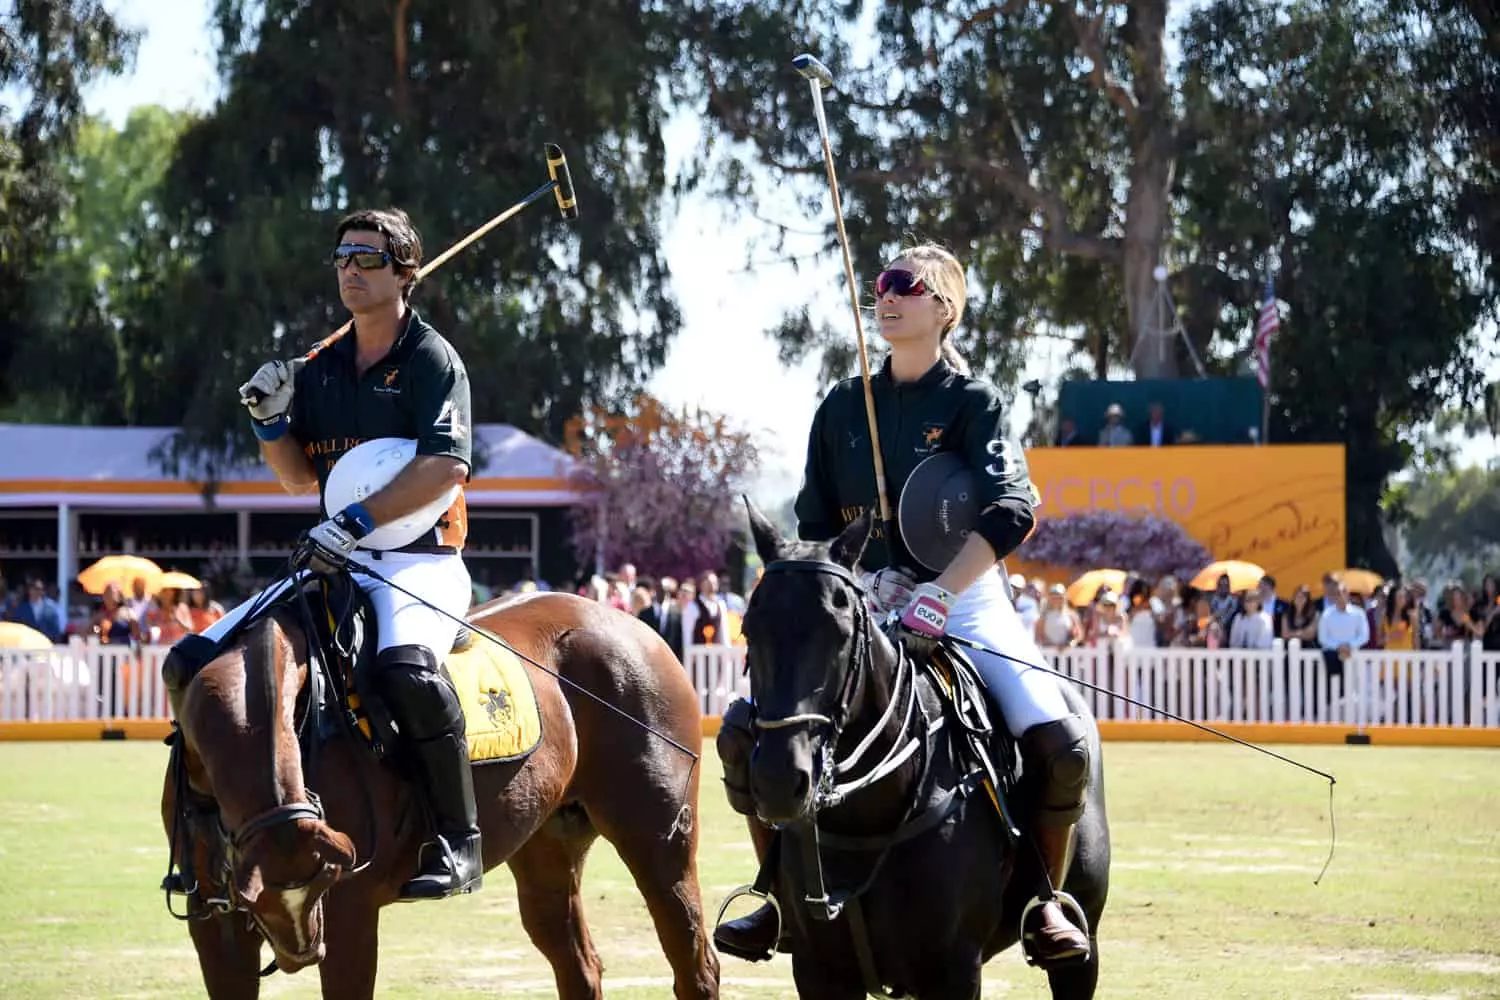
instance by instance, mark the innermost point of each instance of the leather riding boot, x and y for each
(453, 863)
(753, 937)
(1053, 937)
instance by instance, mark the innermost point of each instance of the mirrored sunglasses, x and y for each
(362, 255)
(898, 281)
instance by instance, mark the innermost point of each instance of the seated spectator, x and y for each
(1067, 433)
(1115, 434)
(1157, 431)
(1058, 626)
(1252, 628)
(1300, 620)
(40, 612)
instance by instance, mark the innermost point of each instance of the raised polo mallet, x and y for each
(559, 183)
(818, 77)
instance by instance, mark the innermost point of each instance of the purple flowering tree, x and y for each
(668, 486)
(1149, 545)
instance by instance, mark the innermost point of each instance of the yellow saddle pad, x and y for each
(500, 710)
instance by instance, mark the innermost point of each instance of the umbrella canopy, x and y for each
(1242, 575)
(1359, 581)
(1084, 589)
(123, 570)
(14, 635)
(177, 580)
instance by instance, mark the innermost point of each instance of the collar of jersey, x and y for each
(346, 345)
(935, 375)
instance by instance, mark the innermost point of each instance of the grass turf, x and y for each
(1215, 852)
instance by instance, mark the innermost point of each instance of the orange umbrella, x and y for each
(123, 570)
(1242, 575)
(1083, 590)
(1359, 581)
(14, 635)
(177, 580)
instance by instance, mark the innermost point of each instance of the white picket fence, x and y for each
(1460, 686)
(1450, 687)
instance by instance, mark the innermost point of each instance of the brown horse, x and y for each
(281, 847)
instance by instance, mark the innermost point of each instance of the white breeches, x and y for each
(401, 620)
(1027, 694)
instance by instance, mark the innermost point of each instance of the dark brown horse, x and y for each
(278, 846)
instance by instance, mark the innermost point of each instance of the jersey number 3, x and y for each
(1000, 450)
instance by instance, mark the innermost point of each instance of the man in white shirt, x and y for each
(1342, 628)
(1157, 432)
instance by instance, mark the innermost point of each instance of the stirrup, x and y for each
(750, 890)
(1073, 910)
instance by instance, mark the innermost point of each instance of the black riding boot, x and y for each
(454, 862)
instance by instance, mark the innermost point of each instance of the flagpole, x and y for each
(1265, 414)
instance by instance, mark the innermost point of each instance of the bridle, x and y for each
(860, 663)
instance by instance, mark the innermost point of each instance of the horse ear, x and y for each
(850, 545)
(768, 541)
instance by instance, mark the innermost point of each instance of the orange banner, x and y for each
(1279, 506)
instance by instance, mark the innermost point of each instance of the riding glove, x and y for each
(925, 619)
(268, 395)
(326, 546)
(887, 590)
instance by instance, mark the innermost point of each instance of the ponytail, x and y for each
(955, 360)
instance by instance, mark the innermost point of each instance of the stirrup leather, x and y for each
(1072, 909)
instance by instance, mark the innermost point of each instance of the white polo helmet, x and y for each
(366, 468)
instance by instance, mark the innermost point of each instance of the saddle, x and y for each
(501, 715)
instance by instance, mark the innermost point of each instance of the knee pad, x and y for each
(187, 656)
(1057, 757)
(735, 744)
(421, 699)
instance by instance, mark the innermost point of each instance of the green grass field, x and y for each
(1215, 852)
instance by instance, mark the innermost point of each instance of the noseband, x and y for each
(273, 817)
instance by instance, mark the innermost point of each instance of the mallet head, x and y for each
(810, 67)
(557, 169)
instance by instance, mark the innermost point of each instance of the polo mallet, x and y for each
(818, 77)
(560, 183)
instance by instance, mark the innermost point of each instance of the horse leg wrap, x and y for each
(1057, 755)
(735, 743)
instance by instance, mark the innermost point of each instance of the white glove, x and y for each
(887, 590)
(327, 545)
(268, 394)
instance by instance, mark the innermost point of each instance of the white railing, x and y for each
(1460, 686)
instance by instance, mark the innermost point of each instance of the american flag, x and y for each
(1266, 325)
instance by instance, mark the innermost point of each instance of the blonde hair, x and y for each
(942, 272)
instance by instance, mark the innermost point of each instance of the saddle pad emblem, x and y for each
(501, 717)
